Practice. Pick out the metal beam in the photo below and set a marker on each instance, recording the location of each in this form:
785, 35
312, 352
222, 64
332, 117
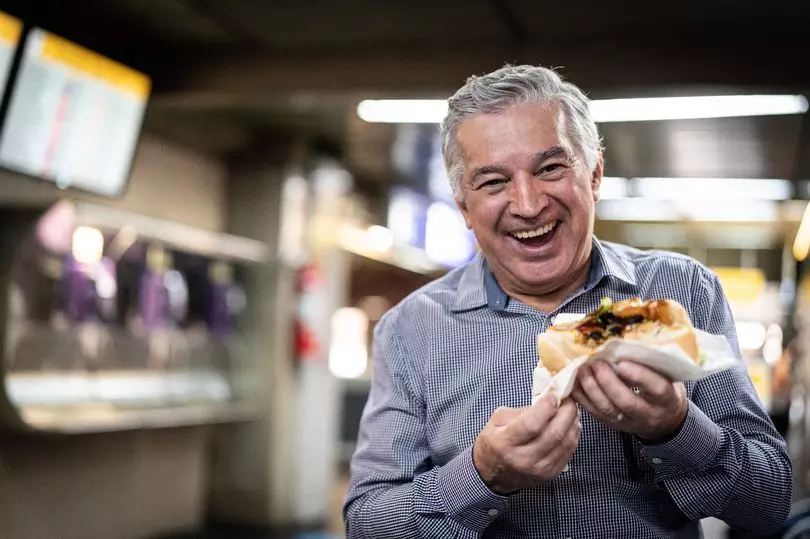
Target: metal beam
603, 68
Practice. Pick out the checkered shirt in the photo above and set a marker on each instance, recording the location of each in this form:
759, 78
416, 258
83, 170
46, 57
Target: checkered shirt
455, 350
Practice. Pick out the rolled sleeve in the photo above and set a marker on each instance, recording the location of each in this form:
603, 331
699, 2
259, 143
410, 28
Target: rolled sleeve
694, 448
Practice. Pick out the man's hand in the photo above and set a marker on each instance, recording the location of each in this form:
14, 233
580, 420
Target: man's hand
521, 448
654, 411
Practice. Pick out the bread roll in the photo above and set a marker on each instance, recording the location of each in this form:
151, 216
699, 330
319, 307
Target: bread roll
658, 322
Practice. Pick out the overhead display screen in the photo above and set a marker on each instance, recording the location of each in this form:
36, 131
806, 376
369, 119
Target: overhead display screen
10, 31
74, 117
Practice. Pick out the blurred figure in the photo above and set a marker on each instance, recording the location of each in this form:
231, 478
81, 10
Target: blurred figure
448, 447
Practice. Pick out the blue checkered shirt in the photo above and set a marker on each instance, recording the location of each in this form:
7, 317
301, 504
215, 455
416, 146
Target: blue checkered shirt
457, 349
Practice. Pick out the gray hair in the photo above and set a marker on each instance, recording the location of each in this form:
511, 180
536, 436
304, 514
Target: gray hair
511, 85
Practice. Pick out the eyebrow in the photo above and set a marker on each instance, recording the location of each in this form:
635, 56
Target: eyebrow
550, 153
539, 157
489, 169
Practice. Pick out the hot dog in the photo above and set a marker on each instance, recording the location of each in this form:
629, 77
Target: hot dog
660, 321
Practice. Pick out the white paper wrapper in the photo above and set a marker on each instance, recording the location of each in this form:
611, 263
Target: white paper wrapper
669, 360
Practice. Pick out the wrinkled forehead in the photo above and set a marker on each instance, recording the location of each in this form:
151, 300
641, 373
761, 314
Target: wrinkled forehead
517, 132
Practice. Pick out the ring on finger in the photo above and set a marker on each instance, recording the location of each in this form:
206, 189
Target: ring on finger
619, 417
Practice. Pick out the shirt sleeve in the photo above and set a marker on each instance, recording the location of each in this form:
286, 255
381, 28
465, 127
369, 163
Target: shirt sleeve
395, 491
727, 461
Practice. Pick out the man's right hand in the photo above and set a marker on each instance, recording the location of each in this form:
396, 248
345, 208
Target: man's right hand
521, 448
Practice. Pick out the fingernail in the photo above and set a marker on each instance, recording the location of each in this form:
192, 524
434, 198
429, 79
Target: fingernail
553, 398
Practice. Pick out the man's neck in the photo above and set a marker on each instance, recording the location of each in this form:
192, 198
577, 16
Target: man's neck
548, 302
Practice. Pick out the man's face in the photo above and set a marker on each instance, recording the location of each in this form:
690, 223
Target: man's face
528, 196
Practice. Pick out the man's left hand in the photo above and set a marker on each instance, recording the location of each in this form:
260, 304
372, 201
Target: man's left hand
653, 410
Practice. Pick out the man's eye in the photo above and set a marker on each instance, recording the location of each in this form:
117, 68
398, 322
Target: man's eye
548, 169
493, 182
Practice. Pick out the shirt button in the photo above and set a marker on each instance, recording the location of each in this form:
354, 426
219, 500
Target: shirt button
493, 512
566, 468
656, 460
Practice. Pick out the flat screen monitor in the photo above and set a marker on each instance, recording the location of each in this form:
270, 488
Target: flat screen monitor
74, 116
10, 32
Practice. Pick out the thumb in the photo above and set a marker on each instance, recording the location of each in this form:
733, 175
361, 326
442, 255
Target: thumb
504, 415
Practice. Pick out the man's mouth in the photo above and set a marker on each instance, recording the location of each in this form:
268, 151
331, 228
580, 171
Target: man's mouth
538, 234
528, 234
537, 238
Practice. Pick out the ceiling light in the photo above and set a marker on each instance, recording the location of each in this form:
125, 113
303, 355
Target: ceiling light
641, 209
678, 234
712, 189
747, 212
630, 209
403, 111
612, 188
607, 110
682, 108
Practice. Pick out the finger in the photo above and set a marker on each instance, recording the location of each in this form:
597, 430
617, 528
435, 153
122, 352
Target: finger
649, 382
579, 395
566, 419
616, 390
589, 407
529, 424
593, 390
560, 455
503, 415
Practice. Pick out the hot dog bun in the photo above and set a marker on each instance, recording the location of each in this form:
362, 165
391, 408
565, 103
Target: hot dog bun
658, 322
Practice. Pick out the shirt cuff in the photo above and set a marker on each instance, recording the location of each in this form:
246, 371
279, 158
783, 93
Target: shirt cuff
467, 499
694, 448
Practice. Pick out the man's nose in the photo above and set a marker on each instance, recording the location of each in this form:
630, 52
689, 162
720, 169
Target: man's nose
528, 198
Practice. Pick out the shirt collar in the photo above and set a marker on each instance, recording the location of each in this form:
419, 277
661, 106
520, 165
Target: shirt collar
478, 287
606, 262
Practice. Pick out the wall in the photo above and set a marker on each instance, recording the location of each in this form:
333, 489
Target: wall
126, 485
167, 182
105, 486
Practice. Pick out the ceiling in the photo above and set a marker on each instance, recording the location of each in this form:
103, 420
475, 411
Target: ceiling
235, 70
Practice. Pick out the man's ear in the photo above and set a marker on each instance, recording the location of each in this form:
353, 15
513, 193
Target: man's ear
596, 178
462, 207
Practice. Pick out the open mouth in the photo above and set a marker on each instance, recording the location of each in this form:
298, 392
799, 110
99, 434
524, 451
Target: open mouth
537, 237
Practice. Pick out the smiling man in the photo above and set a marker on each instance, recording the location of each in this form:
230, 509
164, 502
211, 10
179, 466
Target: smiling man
450, 446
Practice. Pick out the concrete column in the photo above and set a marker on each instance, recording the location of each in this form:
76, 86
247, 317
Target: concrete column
252, 476
281, 469
319, 392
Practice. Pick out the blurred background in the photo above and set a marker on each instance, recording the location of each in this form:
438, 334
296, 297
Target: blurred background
207, 205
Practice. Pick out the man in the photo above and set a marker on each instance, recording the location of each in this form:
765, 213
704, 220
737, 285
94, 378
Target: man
450, 446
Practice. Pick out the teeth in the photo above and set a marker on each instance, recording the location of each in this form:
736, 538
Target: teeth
534, 233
